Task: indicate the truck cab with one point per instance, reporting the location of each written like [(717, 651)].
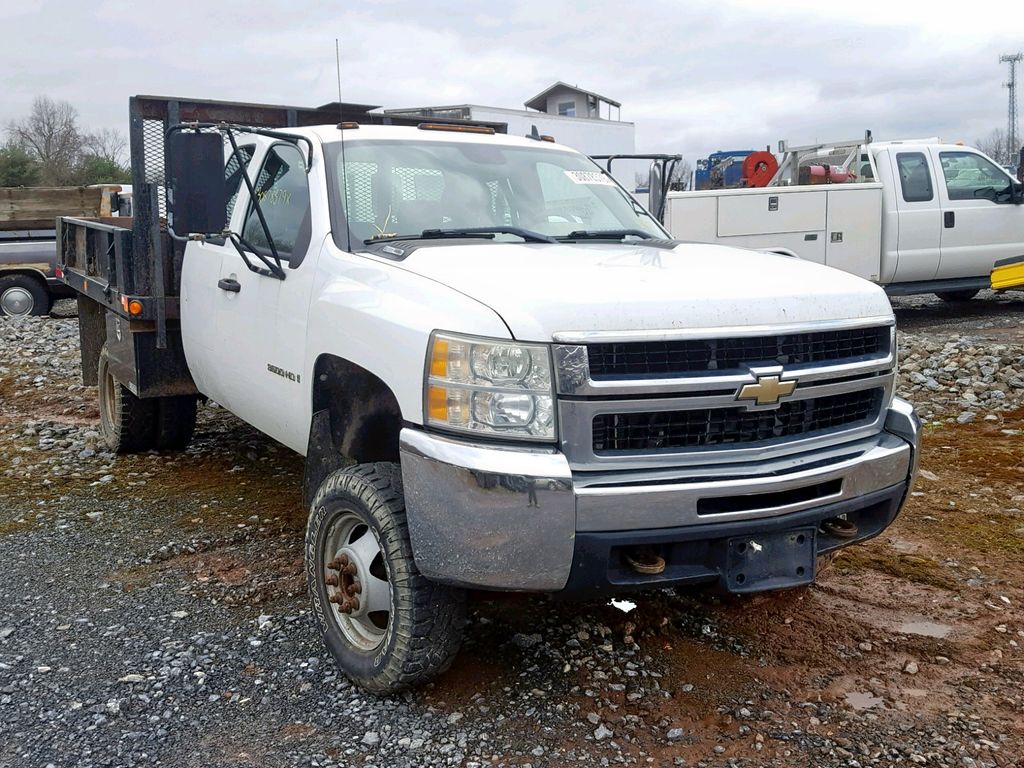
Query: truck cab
[(950, 212), (913, 216), (502, 373)]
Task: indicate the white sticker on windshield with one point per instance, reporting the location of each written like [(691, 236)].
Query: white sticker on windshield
[(589, 177)]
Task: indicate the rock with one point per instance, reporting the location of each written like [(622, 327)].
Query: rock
[(928, 475), (966, 417), (131, 678), (370, 738), (675, 734), (911, 667), (602, 732)]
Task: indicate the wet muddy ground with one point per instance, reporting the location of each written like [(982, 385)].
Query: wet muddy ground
[(152, 611)]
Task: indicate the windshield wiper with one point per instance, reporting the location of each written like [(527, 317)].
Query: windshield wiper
[(483, 232), (607, 234)]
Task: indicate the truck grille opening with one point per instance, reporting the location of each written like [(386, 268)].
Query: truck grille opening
[(758, 501), (674, 430), (670, 358)]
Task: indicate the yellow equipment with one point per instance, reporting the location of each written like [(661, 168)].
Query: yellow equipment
[(1008, 273)]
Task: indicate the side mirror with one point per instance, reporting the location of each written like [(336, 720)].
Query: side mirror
[(1017, 193), (656, 192), (196, 190)]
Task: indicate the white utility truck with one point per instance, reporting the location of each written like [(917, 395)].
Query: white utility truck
[(502, 373), (913, 216)]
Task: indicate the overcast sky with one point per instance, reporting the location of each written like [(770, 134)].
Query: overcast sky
[(694, 76)]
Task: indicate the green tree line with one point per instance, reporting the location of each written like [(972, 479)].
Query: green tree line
[(48, 148)]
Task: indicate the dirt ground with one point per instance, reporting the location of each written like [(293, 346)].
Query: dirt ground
[(913, 638)]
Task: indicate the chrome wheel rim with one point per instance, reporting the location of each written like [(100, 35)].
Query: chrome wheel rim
[(17, 301), (356, 580)]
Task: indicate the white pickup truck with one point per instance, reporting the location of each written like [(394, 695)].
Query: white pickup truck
[(913, 216), (501, 372)]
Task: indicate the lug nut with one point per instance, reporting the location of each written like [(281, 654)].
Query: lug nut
[(354, 603), (355, 588), (350, 569), (332, 580), (337, 598), (343, 558), (334, 565)]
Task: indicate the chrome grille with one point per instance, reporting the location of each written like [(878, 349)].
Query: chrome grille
[(672, 430), (668, 400), (668, 358)]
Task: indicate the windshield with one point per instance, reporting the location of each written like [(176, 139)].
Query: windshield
[(388, 189)]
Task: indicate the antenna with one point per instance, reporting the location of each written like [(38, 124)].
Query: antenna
[(344, 163), (1011, 116)]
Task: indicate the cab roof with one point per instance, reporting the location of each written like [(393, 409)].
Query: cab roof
[(444, 133)]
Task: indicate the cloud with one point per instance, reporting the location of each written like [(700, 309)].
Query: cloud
[(694, 76)]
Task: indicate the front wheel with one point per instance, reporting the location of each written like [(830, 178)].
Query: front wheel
[(952, 297), (387, 627)]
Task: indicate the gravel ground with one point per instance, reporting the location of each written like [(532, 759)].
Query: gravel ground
[(153, 611)]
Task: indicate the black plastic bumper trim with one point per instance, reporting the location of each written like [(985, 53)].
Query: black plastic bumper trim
[(699, 553)]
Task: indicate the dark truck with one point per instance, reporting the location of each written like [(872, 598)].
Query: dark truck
[(29, 276)]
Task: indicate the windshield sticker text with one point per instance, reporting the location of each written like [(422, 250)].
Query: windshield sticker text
[(589, 177)]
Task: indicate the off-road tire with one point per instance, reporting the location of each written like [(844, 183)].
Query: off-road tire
[(952, 297), (128, 424), (424, 630), (175, 422), (35, 288)]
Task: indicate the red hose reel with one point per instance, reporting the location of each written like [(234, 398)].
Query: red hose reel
[(758, 168)]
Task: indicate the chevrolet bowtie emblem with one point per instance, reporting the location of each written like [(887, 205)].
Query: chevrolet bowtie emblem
[(767, 390)]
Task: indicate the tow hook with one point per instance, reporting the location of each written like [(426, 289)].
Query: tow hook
[(346, 596), (645, 560), (839, 527)]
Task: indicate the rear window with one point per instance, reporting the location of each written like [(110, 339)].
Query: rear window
[(915, 178)]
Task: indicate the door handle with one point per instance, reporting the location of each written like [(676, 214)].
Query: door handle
[(229, 284), (949, 219)]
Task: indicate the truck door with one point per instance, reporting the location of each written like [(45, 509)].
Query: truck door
[(980, 223), (260, 320), (920, 220), (199, 293)]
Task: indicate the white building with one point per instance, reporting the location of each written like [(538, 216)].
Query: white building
[(570, 114)]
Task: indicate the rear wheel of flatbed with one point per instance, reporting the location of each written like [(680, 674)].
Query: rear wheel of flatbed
[(128, 424), (387, 626), (176, 421), (23, 295)]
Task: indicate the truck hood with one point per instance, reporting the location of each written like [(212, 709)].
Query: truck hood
[(541, 290)]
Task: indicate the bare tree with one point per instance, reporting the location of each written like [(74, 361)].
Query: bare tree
[(994, 145), (106, 144), (51, 136), (682, 175)]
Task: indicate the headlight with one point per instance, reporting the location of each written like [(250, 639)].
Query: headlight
[(490, 387)]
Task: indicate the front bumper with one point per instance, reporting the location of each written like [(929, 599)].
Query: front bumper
[(508, 518)]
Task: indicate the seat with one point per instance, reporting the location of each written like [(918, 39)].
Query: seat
[(414, 216)]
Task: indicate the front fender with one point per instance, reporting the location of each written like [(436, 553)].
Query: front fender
[(380, 317)]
